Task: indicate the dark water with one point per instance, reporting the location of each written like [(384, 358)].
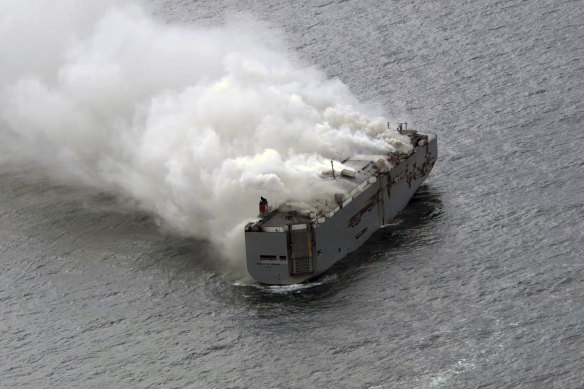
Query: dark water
[(479, 284)]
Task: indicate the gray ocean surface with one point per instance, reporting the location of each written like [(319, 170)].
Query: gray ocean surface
[(480, 282)]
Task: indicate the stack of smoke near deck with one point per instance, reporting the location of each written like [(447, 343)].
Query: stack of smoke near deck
[(263, 207)]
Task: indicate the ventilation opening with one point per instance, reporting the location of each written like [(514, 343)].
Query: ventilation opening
[(360, 234), (301, 265), (301, 242)]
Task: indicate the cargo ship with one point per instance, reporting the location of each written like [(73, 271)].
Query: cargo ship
[(290, 245)]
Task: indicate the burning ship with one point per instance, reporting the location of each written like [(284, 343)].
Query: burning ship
[(289, 245)]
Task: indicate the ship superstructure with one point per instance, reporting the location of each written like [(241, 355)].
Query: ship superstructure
[(290, 245)]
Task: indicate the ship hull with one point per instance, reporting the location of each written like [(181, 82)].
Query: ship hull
[(297, 253)]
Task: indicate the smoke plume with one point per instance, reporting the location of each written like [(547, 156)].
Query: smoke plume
[(193, 123)]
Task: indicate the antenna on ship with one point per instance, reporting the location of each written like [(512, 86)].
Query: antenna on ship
[(333, 168)]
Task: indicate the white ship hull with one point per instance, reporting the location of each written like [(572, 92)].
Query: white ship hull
[(297, 247)]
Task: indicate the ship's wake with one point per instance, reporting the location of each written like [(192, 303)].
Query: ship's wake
[(290, 289)]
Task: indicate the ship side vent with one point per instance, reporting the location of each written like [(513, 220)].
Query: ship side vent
[(301, 265), (301, 251)]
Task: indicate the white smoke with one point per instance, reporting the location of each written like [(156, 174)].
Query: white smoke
[(193, 123)]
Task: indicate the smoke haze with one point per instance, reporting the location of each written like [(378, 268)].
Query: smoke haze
[(193, 123)]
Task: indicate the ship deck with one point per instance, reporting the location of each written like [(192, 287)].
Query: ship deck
[(287, 214)]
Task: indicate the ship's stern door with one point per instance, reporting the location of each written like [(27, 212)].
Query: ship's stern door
[(300, 250)]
